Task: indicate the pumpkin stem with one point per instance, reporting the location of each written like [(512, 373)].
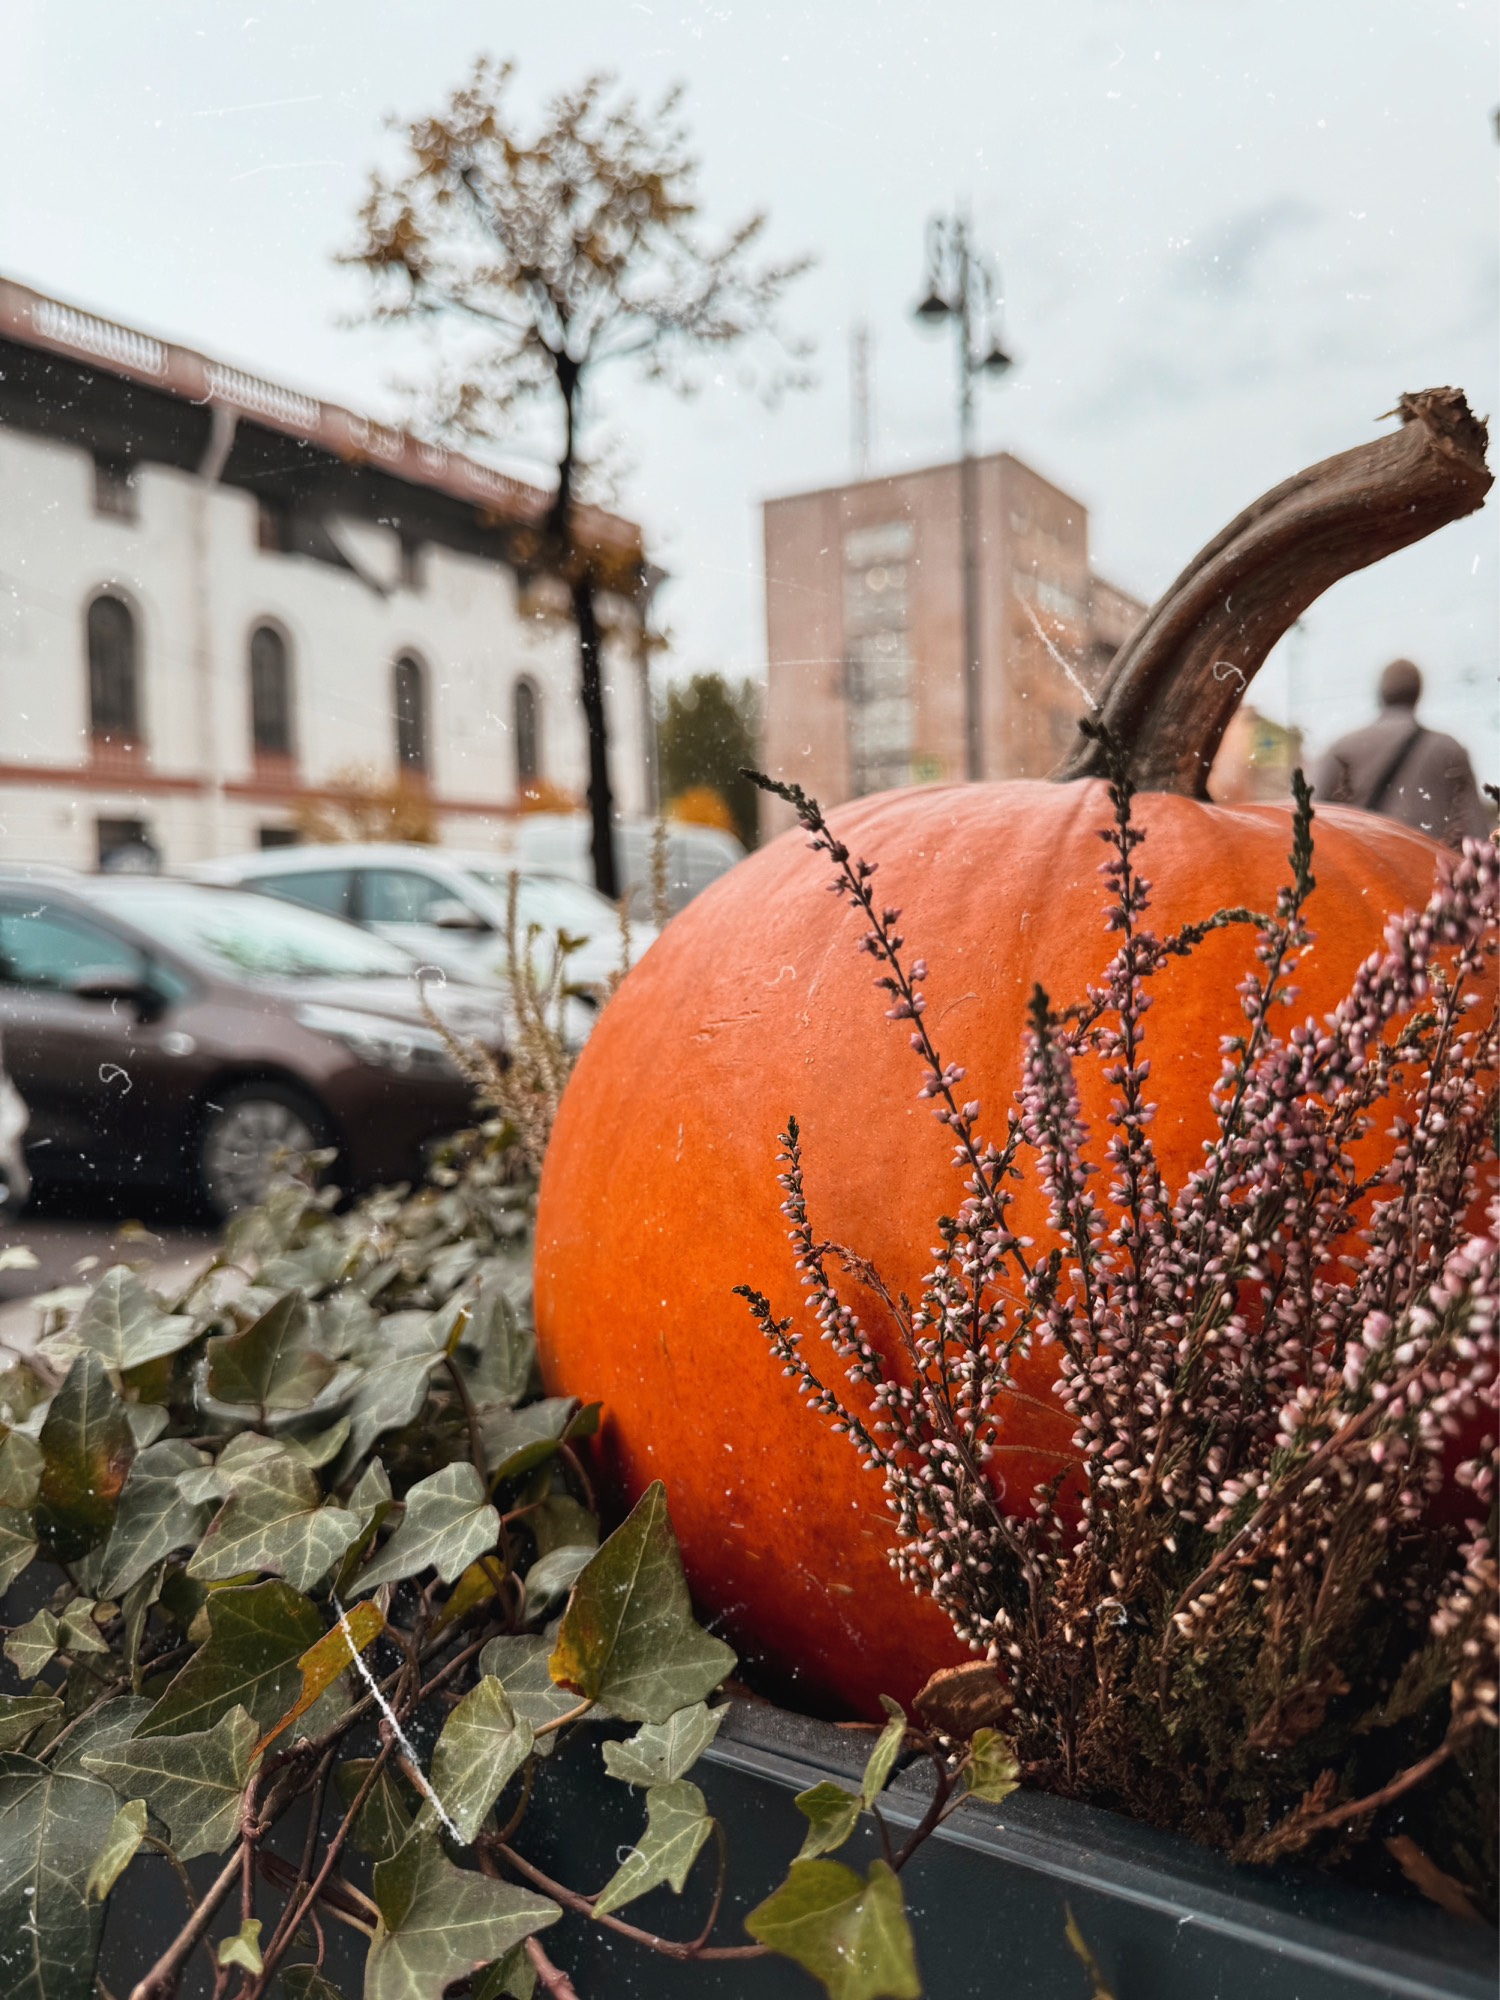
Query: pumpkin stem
[(1175, 684)]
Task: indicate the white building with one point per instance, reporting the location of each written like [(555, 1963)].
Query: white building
[(220, 598)]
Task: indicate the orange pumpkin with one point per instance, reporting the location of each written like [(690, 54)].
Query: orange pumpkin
[(659, 1195)]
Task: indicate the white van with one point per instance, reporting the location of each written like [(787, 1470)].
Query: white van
[(561, 844)]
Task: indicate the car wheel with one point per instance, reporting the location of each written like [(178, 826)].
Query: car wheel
[(252, 1133)]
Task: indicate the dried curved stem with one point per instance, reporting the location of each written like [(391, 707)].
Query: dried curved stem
[(1176, 683)]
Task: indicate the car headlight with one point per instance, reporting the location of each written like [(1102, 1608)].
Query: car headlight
[(383, 1043)]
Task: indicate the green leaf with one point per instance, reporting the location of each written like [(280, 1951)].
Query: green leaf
[(51, 1828), (438, 1922), (383, 1823), (660, 1752), (86, 1454), (274, 1520), (448, 1524), (883, 1757), (125, 1326), (519, 1660), (561, 1522), (147, 1421), (32, 1645), (832, 1815), (257, 1634), (516, 1441), (627, 1637), (126, 1832), (305, 1982), (554, 1575), (20, 1468), (483, 1745), (17, 1545), (153, 1517), (22, 1715), (271, 1364), (193, 1782), (510, 1978), (243, 1948), (994, 1774), (77, 1632), (850, 1934), (100, 1732), (677, 1824), (392, 1384)]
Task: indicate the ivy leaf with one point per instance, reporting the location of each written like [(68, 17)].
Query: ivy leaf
[(510, 1978), (77, 1632), (51, 1828), (126, 1832), (86, 1454), (99, 1732), (125, 1326), (274, 1520), (677, 1824), (193, 1782), (243, 1948), (561, 1522), (994, 1773), (660, 1752), (257, 1634), (483, 1745), (517, 1441), (383, 1824), (555, 1574), (270, 1364), (832, 1815), (392, 1382), (448, 1524), (20, 1468), (22, 1715), (153, 1517), (438, 1922), (627, 1637), (305, 1982), (147, 1421), (519, 1660), (333, 1654), (17, 1545), (883, 1757), (32, 1645), (851, 1934)]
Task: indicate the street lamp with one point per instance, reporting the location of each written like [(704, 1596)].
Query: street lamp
[(962, 288)]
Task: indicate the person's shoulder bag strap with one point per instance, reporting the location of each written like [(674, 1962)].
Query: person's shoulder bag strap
[(1376, 797)]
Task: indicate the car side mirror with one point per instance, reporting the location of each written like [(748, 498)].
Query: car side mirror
[(109, 983), (452, 915)]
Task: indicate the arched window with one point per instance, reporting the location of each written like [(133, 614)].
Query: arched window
[(270, 693), (409, 701), (528, 734), (114, 695)]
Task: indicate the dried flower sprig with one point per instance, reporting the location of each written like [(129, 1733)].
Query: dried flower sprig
[(1239, 1612)]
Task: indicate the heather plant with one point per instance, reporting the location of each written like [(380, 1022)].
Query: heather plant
[(1260, 1605)]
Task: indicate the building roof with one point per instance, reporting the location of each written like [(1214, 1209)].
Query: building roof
[(49, 325)]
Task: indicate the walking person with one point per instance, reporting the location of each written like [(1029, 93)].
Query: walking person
[(1400, 768)]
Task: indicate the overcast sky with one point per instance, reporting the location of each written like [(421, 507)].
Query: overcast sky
[(1229, 236)]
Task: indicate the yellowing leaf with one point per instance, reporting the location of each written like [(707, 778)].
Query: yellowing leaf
[(850, 1934), (333, 1654)]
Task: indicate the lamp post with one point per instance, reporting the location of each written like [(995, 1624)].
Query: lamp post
[(961, 287)]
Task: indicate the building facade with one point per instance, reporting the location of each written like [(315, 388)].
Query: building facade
[(222, 600), (865, 638)]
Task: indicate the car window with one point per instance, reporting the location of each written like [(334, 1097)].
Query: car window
[(399, 896), (254, 937), (314, 888), (48, 948)]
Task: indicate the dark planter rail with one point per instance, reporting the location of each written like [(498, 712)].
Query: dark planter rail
[(989, 1896)]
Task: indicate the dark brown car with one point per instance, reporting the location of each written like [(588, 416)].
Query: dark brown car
[(166, 1035)]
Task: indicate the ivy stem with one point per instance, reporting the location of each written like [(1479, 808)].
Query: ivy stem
[(584, 1907), (164, 1975)]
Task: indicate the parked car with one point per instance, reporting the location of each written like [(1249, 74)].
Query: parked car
[(447, 905), (15, 1180), (560, 844), (166, 1034)]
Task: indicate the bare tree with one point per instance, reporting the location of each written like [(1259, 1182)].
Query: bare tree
[(557, 253)]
